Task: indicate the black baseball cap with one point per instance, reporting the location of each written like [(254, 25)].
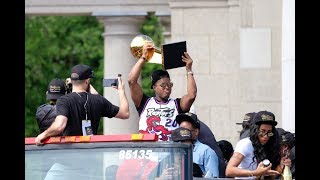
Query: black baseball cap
[(81, 72), (247, 118), (56, 88), (158, 74), (265, 117), (286, 137), (192, 118), (181, 134)]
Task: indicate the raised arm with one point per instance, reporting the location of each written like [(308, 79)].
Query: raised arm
[(135, 88), (93, 90), (124, 105), (188, 99), (56, 127)]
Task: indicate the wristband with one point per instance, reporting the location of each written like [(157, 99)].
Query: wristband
[(250, 173), (190, 72), (144, 59)]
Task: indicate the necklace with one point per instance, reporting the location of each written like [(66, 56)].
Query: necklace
[(85, 104), (78, 94)]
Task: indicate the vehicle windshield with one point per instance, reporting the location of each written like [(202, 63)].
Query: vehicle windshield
[(107, 160)]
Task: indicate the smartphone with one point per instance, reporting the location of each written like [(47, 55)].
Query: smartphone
[(110, 82)]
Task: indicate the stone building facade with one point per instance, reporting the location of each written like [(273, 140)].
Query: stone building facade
[(243, 52)]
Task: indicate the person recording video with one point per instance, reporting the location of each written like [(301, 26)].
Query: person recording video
[(79, 112), (90, 88)]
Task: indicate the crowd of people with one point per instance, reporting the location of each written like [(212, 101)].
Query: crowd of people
[(78, 112)]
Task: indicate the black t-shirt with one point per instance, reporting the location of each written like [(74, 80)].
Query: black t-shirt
[(72, 106)]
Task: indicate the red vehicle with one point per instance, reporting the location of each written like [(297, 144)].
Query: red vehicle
[(107, 157)]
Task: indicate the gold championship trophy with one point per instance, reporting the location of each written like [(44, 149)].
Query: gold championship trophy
[(154, 55), (169, 56)]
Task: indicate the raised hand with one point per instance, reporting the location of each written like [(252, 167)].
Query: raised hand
[(188, 60)]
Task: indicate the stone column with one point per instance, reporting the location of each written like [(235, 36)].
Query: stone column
[(210, 29), (119, 31), (288, 65)]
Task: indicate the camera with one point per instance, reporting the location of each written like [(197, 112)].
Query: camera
[(110, 82), (68, 85)]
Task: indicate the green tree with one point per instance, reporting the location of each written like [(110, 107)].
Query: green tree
[(54, 44), (152, 28)]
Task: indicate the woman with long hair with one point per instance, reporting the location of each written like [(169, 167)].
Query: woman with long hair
[(247, 161)]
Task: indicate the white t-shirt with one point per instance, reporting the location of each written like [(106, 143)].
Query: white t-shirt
[(244, 147)]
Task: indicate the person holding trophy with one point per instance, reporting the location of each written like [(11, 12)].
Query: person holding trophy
[(157, 114)]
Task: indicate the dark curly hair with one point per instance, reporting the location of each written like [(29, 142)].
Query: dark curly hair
[(268, 151)]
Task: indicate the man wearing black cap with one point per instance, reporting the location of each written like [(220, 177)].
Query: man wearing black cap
[(79, 112), (157, 114), (287, 147), (247, 119), (46, 113), (184, 135), (202, 154)]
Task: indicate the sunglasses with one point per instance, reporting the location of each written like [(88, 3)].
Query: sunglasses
[(164, 85), (263, 133)]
